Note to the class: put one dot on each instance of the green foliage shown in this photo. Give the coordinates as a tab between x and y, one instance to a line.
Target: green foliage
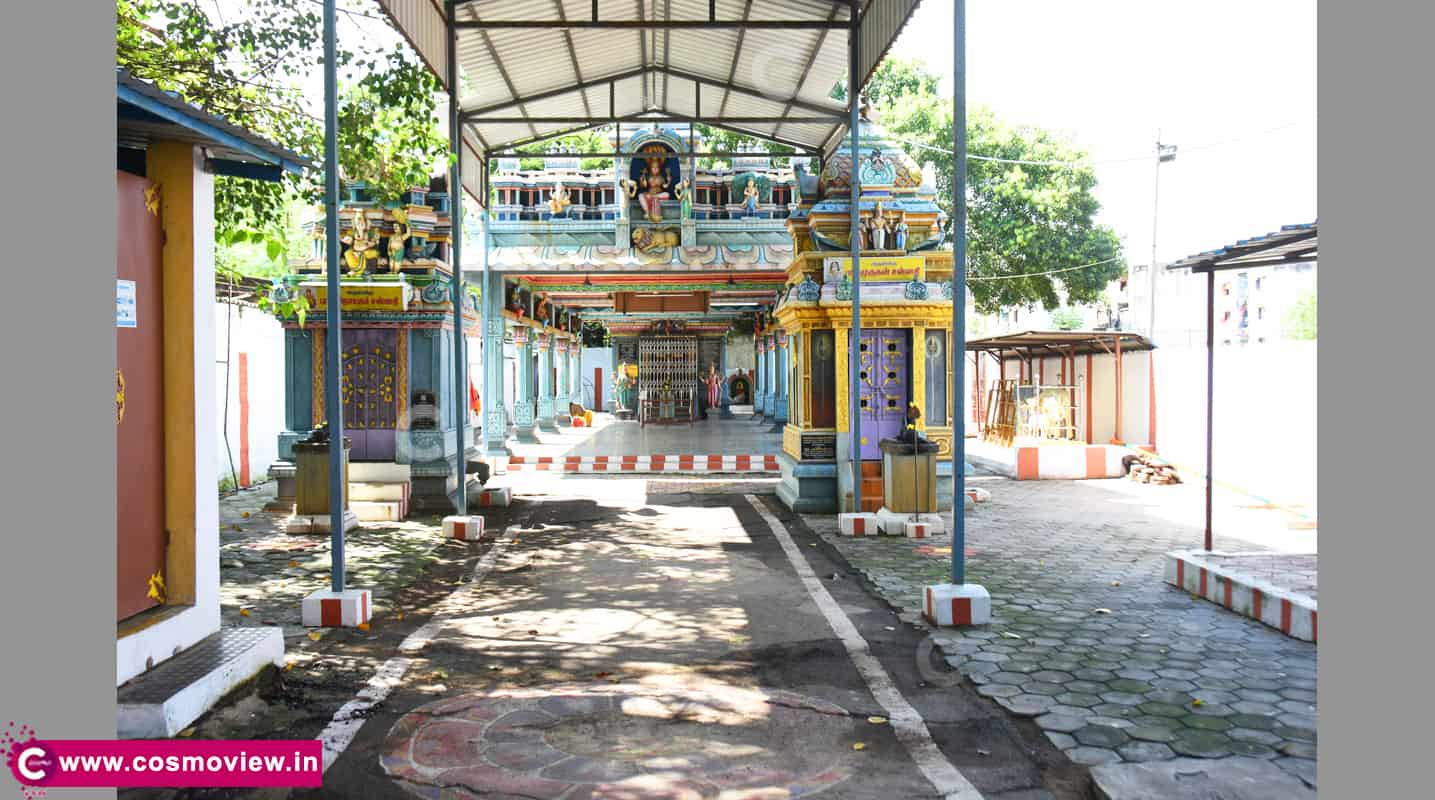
723	140
1066	319
247	68
1300	319
1022	219
594	140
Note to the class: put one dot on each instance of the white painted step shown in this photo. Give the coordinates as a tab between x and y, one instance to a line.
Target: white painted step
377	490
376	472
378	510
164	701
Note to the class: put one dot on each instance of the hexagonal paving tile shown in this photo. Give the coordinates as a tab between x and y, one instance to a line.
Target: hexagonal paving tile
998	690
1162	709
1202	744
1206	723
1145	751
1060	723
1101	736
1086	687
1151	733
1124	698
1096	675
1178	674
1027	705
1062	741
1298	749
1254	707
1078	699
1174	685
1252	749
1260	722
1092	756
1258	696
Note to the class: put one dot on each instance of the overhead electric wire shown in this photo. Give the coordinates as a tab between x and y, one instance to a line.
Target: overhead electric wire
974	277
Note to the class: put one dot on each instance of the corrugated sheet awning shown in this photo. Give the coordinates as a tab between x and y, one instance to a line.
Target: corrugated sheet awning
1292	244
1035	343
764	68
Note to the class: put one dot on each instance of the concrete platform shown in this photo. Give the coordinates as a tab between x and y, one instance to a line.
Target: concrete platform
1278	589
1031	461
1198	779
165	700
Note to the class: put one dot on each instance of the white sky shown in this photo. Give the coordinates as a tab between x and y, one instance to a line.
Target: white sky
1232	83
1214	77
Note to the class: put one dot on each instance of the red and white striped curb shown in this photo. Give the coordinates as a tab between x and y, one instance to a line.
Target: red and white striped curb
917	530
329	609
467	529
500	496
949	605
645	464
1291	613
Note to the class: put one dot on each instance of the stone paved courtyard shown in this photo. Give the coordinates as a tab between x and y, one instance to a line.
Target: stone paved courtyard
266	572
1114	664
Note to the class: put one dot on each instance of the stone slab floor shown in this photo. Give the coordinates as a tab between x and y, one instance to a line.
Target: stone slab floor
1114	664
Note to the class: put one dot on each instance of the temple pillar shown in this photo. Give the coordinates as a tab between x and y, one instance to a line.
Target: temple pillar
560	392
759	379
523	392
769	386
495	418
780	379
575	371
546	341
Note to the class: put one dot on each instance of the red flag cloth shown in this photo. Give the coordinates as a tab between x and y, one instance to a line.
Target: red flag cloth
473	403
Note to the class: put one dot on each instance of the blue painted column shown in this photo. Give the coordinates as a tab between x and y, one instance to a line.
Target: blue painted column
769	403
495	419
523	393
560	391
759	379
546	341
781	368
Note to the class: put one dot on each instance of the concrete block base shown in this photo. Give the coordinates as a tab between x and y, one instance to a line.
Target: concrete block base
917	530
895	524
300	524
496	497
329	609
857	524
948	605
467	529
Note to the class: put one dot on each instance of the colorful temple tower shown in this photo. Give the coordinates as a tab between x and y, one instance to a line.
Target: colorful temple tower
906	320
398	371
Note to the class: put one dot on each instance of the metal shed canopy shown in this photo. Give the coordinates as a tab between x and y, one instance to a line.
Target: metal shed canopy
533	69
1292	244
1017	345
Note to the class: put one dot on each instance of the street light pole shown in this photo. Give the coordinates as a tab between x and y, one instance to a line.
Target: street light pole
1164	153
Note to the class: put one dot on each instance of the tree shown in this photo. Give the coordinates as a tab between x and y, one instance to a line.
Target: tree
1024	220
246	70
1300	319
1066	319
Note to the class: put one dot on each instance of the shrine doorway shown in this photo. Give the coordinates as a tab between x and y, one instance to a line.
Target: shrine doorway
369	386
885	380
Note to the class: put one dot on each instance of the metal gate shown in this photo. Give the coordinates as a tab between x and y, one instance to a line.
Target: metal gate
370	391
885	379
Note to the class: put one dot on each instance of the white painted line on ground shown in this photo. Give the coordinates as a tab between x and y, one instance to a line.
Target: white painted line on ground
347	721
906	722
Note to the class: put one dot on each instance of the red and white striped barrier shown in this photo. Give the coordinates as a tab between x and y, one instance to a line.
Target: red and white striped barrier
329	609
948	605
1291	613
1049	462
500	496
466	529
917	530
864	524
683	464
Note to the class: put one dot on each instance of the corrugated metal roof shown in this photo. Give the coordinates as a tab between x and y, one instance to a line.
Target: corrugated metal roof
745	71
1292	244
1015	345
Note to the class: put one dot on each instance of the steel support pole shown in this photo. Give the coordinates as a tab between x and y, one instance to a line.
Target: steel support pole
959	289
460	363
333	401
1210	391
854	349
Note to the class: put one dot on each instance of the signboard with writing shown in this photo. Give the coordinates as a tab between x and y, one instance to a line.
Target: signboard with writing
126	314
360	297
876	269
819	448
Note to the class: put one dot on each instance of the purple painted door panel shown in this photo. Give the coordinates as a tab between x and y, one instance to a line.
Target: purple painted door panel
370	390
884	378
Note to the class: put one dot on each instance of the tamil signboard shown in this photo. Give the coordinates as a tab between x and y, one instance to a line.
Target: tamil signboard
359	296
876	269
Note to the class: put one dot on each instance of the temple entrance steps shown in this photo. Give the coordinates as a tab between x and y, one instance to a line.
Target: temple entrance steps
379	492
872	498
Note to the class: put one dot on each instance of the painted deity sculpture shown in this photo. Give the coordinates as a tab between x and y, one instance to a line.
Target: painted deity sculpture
714	381
902	234
685	194
653	184
362	244
750	197
558	202
397	239
877	228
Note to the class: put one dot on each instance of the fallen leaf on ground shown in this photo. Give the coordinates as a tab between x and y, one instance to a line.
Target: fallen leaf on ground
439	673
293	563
245	515
363	626
316	635
243	612
400	615
1198	702
859	746
187	732
876	720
